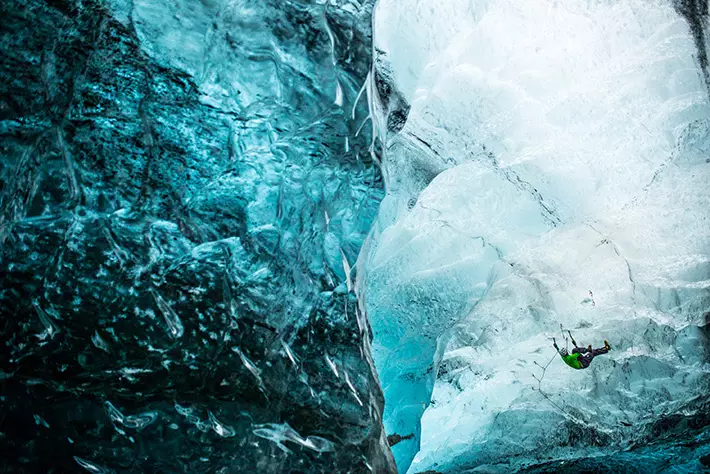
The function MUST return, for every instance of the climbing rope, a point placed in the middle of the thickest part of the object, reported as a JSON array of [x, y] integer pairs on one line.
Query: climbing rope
[[544, 371]]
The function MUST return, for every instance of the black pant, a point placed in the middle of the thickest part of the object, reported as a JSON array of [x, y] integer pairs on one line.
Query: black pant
[[586, 355]]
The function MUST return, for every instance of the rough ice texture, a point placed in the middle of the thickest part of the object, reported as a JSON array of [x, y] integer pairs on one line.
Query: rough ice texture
[[182, 194], [547, 149]]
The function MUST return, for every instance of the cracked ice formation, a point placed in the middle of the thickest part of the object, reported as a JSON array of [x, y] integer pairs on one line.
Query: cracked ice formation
[[549, 148], [182, 193]]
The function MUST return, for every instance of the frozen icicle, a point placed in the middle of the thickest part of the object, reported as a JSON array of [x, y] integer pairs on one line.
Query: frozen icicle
[[332, 366], [171, 318], [316, 443], [225, 431], [91, 467], [347, 270], [259, 274], [338, 94], [289, 353], [113, 412], [330, 35], [338, 88], [272, 432], [352, 388], [251, 368], [359, 95], [50, 328], [279, 433], [359, 129], [136, 422]]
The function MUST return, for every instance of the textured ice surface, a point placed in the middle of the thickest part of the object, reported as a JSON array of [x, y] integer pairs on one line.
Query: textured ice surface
[[550, 148], [182, 196]]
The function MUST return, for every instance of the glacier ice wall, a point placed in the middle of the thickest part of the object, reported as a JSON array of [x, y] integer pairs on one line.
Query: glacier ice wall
[[546, 167], [183, 192]]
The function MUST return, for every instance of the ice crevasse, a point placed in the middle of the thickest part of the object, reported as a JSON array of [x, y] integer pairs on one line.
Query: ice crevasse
[[547, 167]]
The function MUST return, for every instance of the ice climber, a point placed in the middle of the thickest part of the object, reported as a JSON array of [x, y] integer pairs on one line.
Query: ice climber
[[580, 358]]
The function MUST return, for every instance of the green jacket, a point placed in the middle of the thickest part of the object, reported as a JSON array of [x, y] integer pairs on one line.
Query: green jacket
[[571, 360]]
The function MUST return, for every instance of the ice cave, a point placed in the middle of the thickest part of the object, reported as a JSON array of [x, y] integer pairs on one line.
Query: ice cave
[[355, 236]]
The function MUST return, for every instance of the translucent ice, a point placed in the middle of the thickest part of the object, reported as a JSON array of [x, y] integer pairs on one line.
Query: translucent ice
[[184, 185], [550, 148]]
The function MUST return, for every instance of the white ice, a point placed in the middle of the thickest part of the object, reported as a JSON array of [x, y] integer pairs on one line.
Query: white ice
[[552, 148]]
